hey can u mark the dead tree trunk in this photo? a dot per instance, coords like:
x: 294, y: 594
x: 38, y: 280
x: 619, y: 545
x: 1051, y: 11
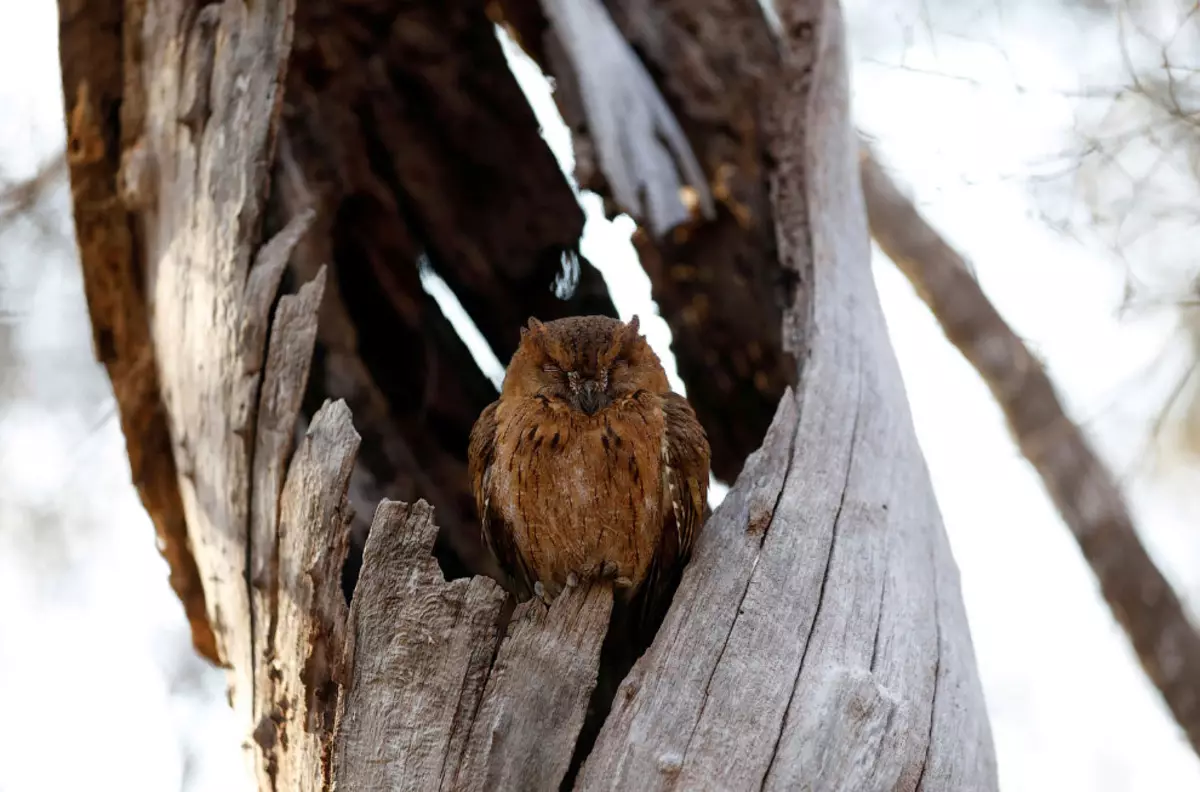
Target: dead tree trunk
x: 220, y: 155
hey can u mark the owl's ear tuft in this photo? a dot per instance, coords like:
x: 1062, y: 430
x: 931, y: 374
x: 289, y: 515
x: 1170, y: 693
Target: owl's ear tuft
x: 533, y: 326
x: 629, y: 332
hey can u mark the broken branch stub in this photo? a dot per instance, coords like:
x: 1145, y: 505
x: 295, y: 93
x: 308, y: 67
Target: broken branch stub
x: 418, y: 652
x: 433, y: 698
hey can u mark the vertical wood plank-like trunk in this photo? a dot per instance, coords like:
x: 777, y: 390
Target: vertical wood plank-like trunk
x: 817, y: 639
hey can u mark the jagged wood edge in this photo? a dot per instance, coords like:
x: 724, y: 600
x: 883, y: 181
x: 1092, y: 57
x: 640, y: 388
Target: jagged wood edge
x: 433, y: 698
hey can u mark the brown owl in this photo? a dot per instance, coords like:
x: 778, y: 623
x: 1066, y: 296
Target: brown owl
x: 588, y: 466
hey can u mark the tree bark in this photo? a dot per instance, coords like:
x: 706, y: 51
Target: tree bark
x: 818, y: 636
x: 1081, y: 486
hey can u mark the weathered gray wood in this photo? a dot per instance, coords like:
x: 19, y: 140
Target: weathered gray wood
x: 537, y: 695
x: 286, y: 372
x: 429, y: 703
x: 829, y: 653
x: 206, y: 132
x: 310, y: 614
x: 642, y: 150
x: 418, y: 653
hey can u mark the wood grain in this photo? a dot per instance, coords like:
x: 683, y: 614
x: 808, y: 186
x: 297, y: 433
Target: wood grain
x: 537, y: 694
x: 418, y: 653
x: 308, y: 637
x: 286, y: 372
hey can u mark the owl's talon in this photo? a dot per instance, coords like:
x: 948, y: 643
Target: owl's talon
x: 609, y: 569
x: 572, y: 580
x: 622, y: 582
x: 539, y: 591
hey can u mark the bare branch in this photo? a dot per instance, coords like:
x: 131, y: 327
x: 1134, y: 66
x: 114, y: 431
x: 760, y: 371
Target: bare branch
x: 1082, y: 488
x: 20, y: 197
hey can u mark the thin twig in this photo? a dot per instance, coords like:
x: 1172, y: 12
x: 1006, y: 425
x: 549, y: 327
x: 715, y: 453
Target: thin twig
x: 1083, y: 489
x: 20, y: 197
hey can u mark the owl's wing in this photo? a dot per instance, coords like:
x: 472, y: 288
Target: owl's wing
x: 685, y: 503
x: 497, y: 535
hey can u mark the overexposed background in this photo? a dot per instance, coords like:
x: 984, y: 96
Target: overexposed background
x: 992, y: 111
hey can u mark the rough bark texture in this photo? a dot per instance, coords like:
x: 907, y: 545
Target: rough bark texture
x: 90, y: 39
x: 1081, y: 486
x: 525, y: 730
x: 818, y: 636
x: 300, y: 671
x: 433, y: 698
x: 417, y: 659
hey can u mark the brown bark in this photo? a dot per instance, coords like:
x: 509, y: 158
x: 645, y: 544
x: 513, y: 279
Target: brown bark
x: 90, y: 40
x: 1079, y: 483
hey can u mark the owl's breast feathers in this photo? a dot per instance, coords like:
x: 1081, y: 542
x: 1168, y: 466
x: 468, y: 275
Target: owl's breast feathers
x: 620, y: 494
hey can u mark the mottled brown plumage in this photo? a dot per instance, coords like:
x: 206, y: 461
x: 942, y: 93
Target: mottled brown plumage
x: 588, y: 466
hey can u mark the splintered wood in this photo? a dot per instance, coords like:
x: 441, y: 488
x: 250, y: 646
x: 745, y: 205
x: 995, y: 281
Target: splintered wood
x: 430, y: 702
x: 537, y: 695
x: 417, y: 659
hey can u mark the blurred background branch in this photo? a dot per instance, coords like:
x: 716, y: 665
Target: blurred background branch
x: 1080, y: 484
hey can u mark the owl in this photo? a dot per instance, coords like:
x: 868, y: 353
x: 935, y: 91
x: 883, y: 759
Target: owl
x: 588, y: 466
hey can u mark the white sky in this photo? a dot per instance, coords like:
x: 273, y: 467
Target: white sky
x: 83, y: 661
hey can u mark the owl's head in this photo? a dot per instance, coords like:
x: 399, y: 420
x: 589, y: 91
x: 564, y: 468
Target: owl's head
x: 583, y: 363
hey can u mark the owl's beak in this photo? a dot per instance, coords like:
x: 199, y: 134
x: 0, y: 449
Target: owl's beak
x: 591, y: 397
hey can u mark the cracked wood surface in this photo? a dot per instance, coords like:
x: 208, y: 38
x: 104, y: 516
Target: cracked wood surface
x: 209, y: 82
x: 537, y: 694
x: 417, y: 657
x: 303, y: 660
x: 433, y: 698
